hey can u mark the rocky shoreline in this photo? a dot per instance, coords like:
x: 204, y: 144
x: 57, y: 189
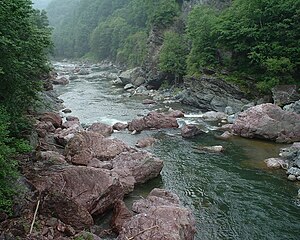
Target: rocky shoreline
x: 79, y: 173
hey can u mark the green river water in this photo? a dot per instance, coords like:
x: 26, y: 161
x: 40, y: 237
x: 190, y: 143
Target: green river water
x: 232, y: 194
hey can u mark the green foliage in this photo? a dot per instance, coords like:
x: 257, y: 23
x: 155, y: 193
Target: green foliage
x: 24, y: 45
x: 200, y: 26
x: 173, y: 54
x: 163, y: 12
x: 260, y: 38
x: 23, y: 57
x: 107, y: 29
x: 264, y: 37
x: 8, y: 171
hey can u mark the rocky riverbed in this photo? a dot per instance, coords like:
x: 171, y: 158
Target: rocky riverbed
x: 214, y: 181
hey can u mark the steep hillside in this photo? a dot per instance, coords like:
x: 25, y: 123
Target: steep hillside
x: 254, y: 44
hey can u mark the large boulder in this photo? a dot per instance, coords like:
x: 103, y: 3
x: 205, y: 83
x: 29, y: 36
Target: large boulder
x: 153, y: 120
x: 86, y: 145
x: 142, y: 165
x: 73, y: 188
x: 101, y: 128
x: 63, y: 136
x: 191, y: 130
x: 268, y: 121
x: 133, y: 76
x: 211, y: 93
x: 52, y: 117
x: 159, y: 216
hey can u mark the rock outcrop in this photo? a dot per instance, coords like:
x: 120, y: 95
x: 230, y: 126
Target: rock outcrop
x: 86, y: 145
x: 268, y: 121
x: 159, y: 216
x: 211, y: 93
x: 101, y: 128
x: 75, y: 193
x: 285, y: 94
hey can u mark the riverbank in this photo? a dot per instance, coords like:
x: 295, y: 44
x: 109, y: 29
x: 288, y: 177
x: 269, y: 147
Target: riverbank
x: 234, y: 184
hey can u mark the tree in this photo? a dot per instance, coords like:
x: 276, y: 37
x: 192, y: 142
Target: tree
x: 263, y: 37
x: 24, y: 44
x: 172, y: 58
x: 201, y: 23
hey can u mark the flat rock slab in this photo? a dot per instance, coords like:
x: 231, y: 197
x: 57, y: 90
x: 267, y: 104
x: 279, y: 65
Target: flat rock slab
x: 87, y: 145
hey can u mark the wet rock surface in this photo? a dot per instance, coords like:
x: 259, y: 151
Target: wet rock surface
x: 87, y: 145
x: 159, y: 216
x: 153, y: 120
x: 101, y: 128
x: 268, y: 121
x: 211, y: 93
x: 190, y: 131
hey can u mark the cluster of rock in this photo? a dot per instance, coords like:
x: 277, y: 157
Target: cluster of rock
x: 289, y: 159
x: 79, y: 174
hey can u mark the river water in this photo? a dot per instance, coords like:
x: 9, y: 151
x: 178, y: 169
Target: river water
x: 232, y: 194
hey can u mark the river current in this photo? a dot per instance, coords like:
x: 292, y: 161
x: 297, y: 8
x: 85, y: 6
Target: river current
x: 232, y: 194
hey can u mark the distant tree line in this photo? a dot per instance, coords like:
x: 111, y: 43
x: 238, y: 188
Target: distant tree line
x: 256, y: 40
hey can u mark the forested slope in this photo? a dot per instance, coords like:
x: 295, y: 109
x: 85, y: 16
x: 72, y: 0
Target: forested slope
x: 24, y: 45
x: 258, y: 41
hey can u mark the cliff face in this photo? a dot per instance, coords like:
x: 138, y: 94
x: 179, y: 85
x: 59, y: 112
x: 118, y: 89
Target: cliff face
x: 156, y: 37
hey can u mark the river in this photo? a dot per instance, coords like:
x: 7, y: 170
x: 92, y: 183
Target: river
x: 232, y: 194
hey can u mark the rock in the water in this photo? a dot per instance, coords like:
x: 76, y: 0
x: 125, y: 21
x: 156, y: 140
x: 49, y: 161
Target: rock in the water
x: 132, y: 76
x: 191, y: 130
x: 85, y: 146
x: 52, y: 117
x: 128, y: 86
x: 213, y: 149
x: 285, y: 94
x: 159, y: 216
x: 292, y: 177
x: 66, y: 110
x: 294, y: 171
x: 145, y: 142
x: 275, y: 163
x: 120, y: 126
x: 214, y: 116
x: 142, y: 165
x: 101, y: 128
x: 153, y: 120
x: 148, y: 101
x: 268, y: 121
x: 60, y: 81
x: 225, y: 136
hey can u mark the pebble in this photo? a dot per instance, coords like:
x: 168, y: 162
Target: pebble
x: 292, y: 177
